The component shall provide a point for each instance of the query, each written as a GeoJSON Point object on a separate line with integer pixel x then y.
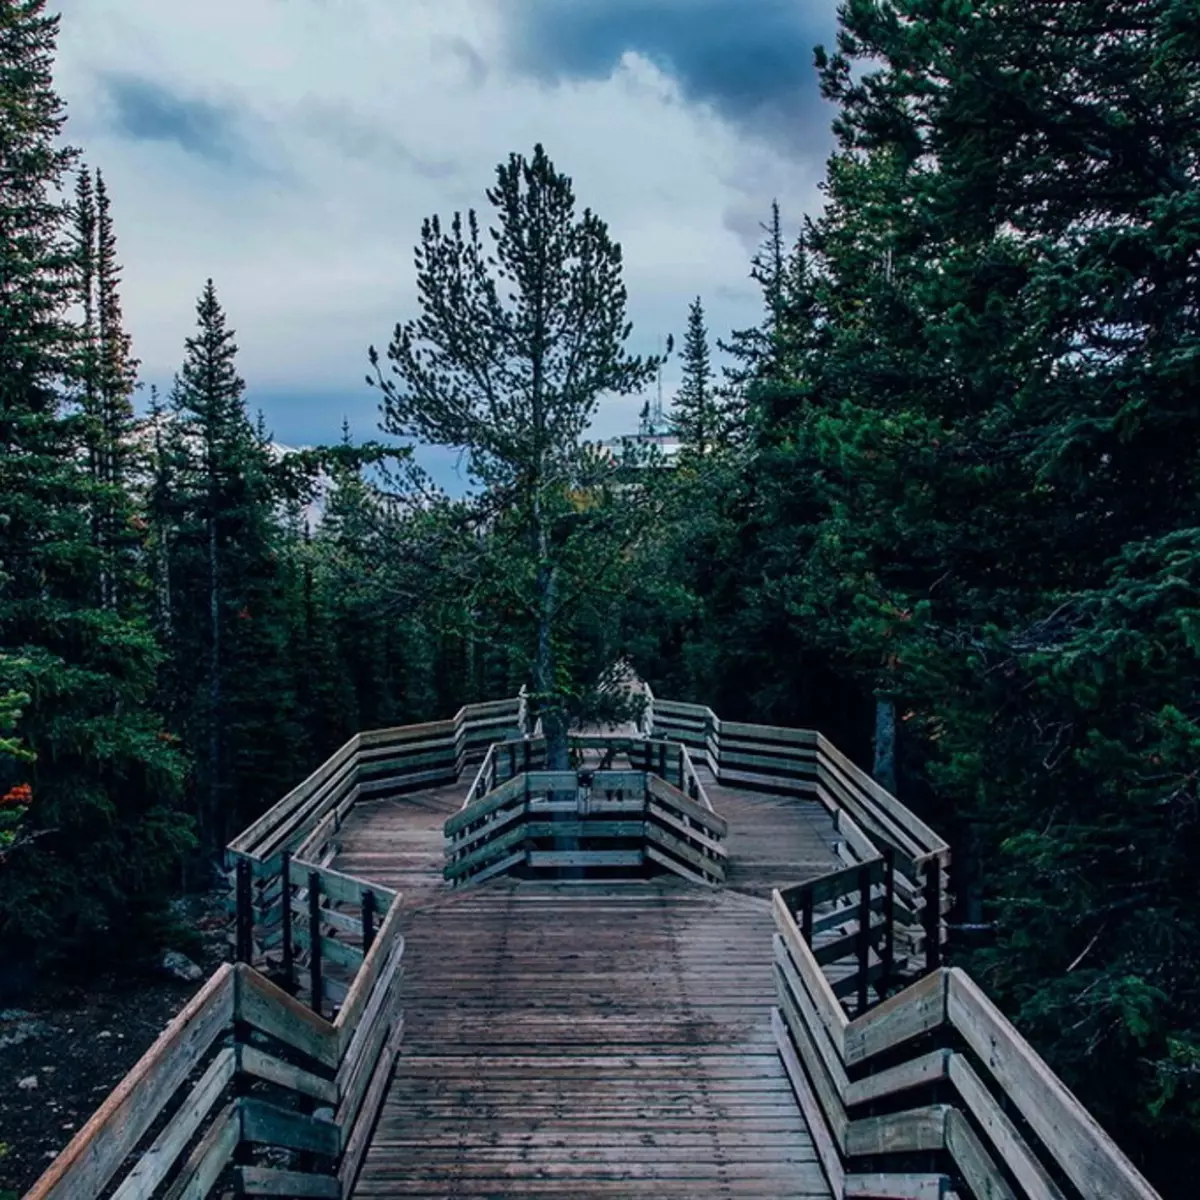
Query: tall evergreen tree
{"type": "Point", "coordinates": [697, 414]}
{"type": "Point", "coordinates": [229, 636]}
{"type": "Point", "coordinates": [103, 781]}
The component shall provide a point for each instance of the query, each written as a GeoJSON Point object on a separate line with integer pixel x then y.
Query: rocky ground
{"type": "Point", "coordinates": [65, 1048]}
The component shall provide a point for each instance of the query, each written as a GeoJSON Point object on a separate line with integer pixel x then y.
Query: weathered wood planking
{"type": "Point", "coordinates": [973, 1129]}
{"type": "Point", "coordinates": [589, 1039]}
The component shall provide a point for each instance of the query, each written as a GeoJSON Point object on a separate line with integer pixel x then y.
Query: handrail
{"type": "Point", "coordinates": [1009, 1128]}
{"type": "Point", "coordinates": [230, 1029]}
{"type": "Point", "coordinates": [613, 819]}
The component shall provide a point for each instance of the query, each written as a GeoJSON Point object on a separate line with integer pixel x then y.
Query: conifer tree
{"type": "Point", "coordinates": [103, 780]}
{"type": "Point", "coordinates": [228, 635]}
{"type": "Point", "coordinates": [697, 418]}
{"type": "Point", "coordinates": [516, 381]}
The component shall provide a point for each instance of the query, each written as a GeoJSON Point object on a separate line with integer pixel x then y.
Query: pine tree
{"type": "Point", "coordinates": [697, 418]}
{"type": "Point", "coordinates": [219, 501]}
{"type": "Point", "coordinates": [517, 384]}
{"type": "Point", "coordinates": [103, 780]}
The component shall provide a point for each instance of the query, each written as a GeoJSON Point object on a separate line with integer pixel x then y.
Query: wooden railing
{"type": "Point", "coordinates": [245, 1075]}
{"type": "Point", "coordinates": [875, 829]}
{"type": "Point", "coordinates": [934, 1070]}
{"type": "Point", "coordinates": [611, 819]}
{"type": "Point", "coordinates": [296, 919]}
{"type": "Point", "coordinates": [290, 1047]}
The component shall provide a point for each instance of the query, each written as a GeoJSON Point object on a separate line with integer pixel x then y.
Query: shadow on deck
{"type": "Point", "coordinates": [589, 1039]}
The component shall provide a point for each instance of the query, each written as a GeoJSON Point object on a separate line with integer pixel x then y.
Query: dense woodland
{"type": "Point", "coordinates": [949, 485]}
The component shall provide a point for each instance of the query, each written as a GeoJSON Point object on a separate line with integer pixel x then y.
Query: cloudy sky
{"type": "Point", "coordinates": [291, 148]}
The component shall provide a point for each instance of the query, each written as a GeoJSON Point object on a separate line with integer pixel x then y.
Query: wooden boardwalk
{"type": "Point", "coordinates": [586, 1039]}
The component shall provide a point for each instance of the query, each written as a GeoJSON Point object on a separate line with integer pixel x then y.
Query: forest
{"type": "Point", "coordinates": [943, 507]}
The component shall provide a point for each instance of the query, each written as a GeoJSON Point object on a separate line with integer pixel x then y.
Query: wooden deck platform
{"type": "Point", "coordinates": [585, 1039]}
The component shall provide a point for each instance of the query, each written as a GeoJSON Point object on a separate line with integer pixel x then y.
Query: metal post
{"type": "Point", "coordinates": [864, 936]}
{"type": "Point", "coordinates": [285, 896]}
{"type": "Point", "coordinates": [244, 942]}
{"type": "Point", "coordinates": [314, 938]}
{"type": "Point", "coordinates": [368, 919]}
{"type": "Point", "coordinates": [806, 915]}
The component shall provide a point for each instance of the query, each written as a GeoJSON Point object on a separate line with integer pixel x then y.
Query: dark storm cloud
{"type": "Point", "coordinates": [751, 60]}
{"type": "Point", "coordinates": [143, 110]}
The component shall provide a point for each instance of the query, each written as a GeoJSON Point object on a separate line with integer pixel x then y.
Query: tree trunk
{"type": "Point", "coordinates": [212, 828]}
{"type": "Point", "coordinates": [885, 743]}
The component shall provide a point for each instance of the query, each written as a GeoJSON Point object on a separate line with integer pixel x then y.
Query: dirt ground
{"type": "Point", "coordinates": [76, 1044]}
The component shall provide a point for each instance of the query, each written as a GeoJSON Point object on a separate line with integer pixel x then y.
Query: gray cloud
{"type": "Point", "coordinates": [752, 62]}
{"type": "Point", "coordinates": [473, 62]}
{"type": "Point", "coordinates": [144, 110]}
{"type": "Point", "coordinates": [366, 138]}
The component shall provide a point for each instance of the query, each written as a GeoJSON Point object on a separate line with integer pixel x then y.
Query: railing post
{"type": "Point", "coordinates": [368, 919]}
{"type": "Point", "coordinates": [244, 927]}
{"type": "Point", "coordinates": [314, 938]}
{"type": "Point", "coordinates": [933, 914]}
{"type": "Point", "coordinates": [864, 936]}
{"type": "Point", "coordinates": [285, 895]}
{"type": "Point", "coordinates": [889, 917]}
{"type": "Point", "coordinates": [806, 915]}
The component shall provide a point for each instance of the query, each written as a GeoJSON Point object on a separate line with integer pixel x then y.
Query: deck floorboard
{"type": "Point", "coordinates": [589, 1039]}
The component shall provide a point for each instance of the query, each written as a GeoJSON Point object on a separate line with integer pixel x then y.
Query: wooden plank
{"type": "Point", "coordinates": [466, 840]}
{"type": "Point", "coordinates": [358, 1062]}
{"type": "Point", "coordinates": [1013, 1152]}
{"type": "Point", "coordinates": [96, 1152]}
{"type": "Point", "coordinates": [348, 889]}
{"type": "Point", "coordinates": [824, 1085]}
{"type": "Point", "coordinates": [359, 1137]}
{"type": "Point", "coordinates": [815, 1031]}
{"type": "Point", "coordinates": [827, 1151]}
{"type": "Point", "coordinates": [910, 1130]}
{"type": "Point", "coordinates": [585, 858]}
{"type": "Point", "coordinates": [677, 868]}
{"type": "Point", "coordinates": [690, 854]}
{"type": "Point", "coordinates": [915, 827]}
{"type": "Point", "coordinates": [506, 793]}
{"type": "Point", "coordinates": [918, 1009]}
{"type": "Point", "coordinates": [156, 1163]}
{"type": "Point", "coordinates": [498, 868]}
{"type": "Point", "coordinates": [256, 1062]}
{"type": "Point", "coordinates": [917, 1072]}
{"type": "Point", "coordinates": [209, 1157]}
{"type": "Point", "coordinates": [1088, 1156]}
{"type": "Point", "coordinates": [249, 836]}
{"type": "Point", "coordinates": [269, 1125]}
{"type": "Point", "coordinates": [270, 1009]}
{"type": "Point", "coordinates": [678, 823]}
{"type": "Point", "coordinates": [832, 885]}
{"type": "Point", "coordinates": [770, 733]}
{"type": "Point", "coordinates": [583, 829]}
{"type": "Point", "coordinates": [830, 1012]}
{"type": "Point", "coordinates": [674, 800]}
{"type": "Point", "coordinates": [486, 852]}
{"type": "Point", "coordinates": [976, 1166]}
{"type": "Point", "coordinates": [896, 1186]}
{"type": "Point", "coordinates": [385, 951]}
{"type": "Point", "coordinates": [270, 1181]}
